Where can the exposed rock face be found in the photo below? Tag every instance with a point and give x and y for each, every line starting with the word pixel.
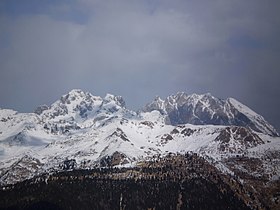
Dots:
pixel 119 134
pixel 116 158
pixel 237 139
pixel 40 109
pixel 208 110
pixel 69 164
pixel 24 168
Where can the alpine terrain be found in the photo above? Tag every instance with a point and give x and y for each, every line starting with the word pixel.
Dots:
pixel 182 152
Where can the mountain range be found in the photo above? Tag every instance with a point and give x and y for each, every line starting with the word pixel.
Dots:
pixel 84 131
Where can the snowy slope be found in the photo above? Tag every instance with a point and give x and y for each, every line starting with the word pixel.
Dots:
pixel 259 123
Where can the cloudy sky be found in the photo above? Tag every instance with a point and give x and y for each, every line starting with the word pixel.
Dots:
pixel 140 49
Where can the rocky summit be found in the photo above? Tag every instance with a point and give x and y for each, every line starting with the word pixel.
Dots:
pixel 206 109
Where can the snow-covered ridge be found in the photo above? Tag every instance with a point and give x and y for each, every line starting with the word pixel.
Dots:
pixel 205 109
pixel 259 122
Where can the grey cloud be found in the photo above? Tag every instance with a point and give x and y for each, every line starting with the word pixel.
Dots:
pixel 140 49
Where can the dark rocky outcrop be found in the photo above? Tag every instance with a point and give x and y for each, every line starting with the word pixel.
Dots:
pixel 243 139
pixel 116 158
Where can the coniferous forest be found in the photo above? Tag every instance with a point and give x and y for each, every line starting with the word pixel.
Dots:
pixel 172 182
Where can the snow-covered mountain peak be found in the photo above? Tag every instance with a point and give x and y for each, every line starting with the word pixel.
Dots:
pixel 241 107
pixel 205 99
pixel 76 92
pixel 118 100
pixel 158 101
pixel 158 98
pixel 78 110
pixel 260 124
pixel 78 96
pixel 74 104
pixel 178 100
pixel 203 109
pixel 4 113
pixel 156 104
